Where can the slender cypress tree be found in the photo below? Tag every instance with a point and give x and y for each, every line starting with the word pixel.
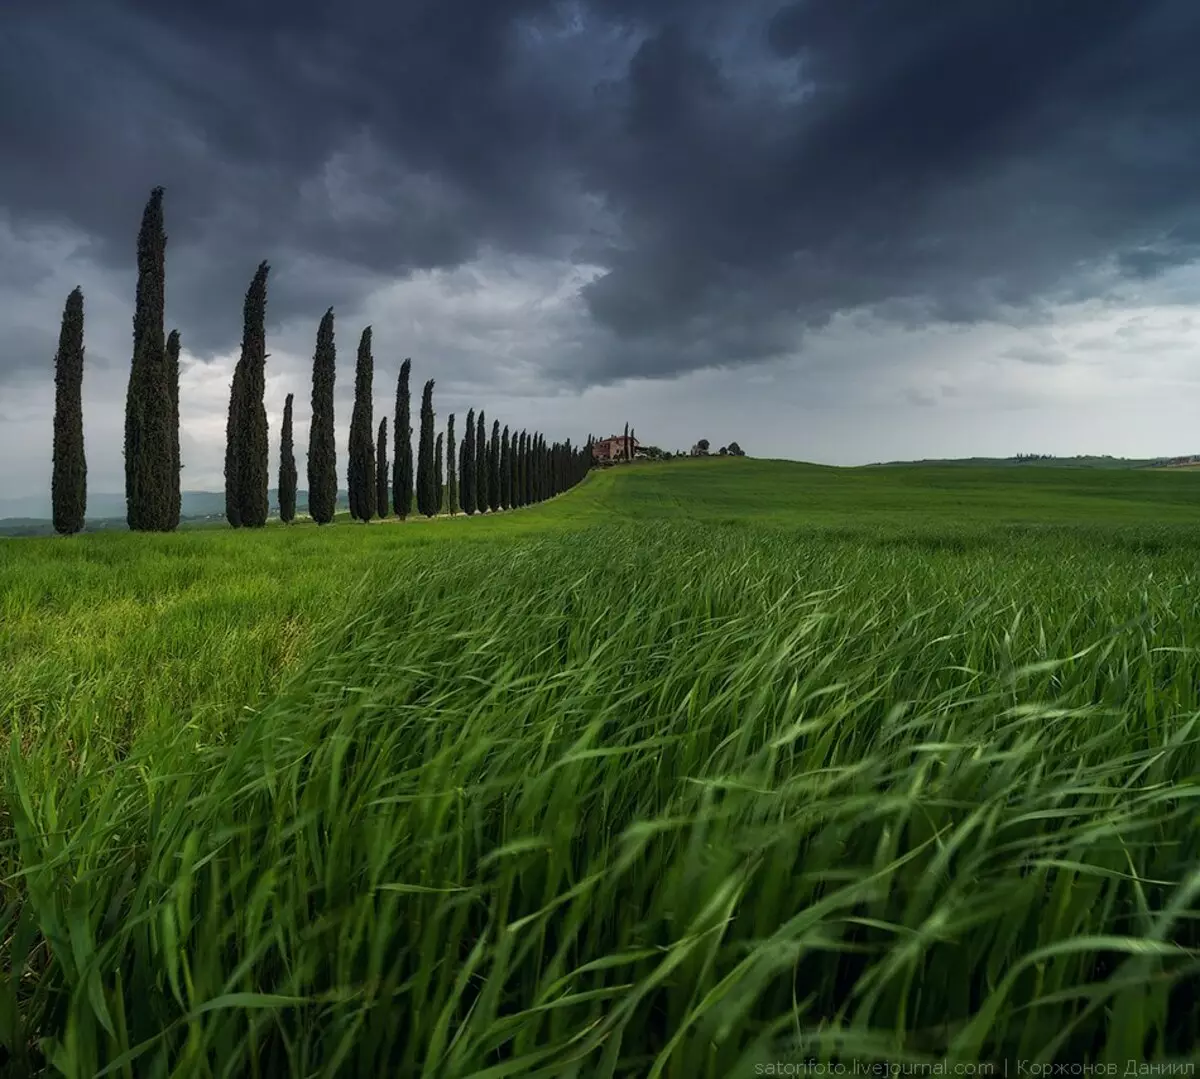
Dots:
pixel 426 484
pixel 438 485
pixel 481 464
pixel 402 457
pixel 632 443
pixel 360 477
pixel 466 468
pixel 322 449
pixel 494 468
pixel 172 373
pixel 253 449
pixel 526 477
pixel 530 486
pixel 505 474
pixel 233 442
pixel 382 490
pixel 147 402
pixel 515 468
pixel 462 474
pixel 68 483
pixel 625 443
pixel 287 466
pixel 521 455
pixel 451 471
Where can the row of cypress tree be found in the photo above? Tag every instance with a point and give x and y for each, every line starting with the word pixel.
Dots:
pixel 502 473
pixel 497 476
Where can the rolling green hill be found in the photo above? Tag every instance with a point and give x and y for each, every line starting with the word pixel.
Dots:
pixel 698 767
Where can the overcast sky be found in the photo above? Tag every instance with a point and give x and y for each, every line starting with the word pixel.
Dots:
pixel 833 230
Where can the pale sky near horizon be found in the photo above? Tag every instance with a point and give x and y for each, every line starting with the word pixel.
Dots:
pixel 833 230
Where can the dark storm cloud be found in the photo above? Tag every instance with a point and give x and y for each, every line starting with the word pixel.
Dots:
pixel 741 173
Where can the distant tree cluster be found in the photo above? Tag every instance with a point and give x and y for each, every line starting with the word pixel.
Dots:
pixel 479 475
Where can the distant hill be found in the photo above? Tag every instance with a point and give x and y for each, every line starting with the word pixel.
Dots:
pixel 1036 462
pixel 31 516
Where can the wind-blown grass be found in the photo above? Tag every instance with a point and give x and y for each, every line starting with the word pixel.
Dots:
pixel 643 798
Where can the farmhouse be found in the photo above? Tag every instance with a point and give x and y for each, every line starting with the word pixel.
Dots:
pixel 612 448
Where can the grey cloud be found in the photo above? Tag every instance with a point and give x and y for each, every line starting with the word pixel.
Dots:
pixel 1039 355
pixel 740 176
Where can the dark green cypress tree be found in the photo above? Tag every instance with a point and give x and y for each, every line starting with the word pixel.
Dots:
pixel 402 457
pixel 381 471
pixel 322 447
pixel 360 478
pixel 233 448
pixel 172 373
pixel 514 499
pixel 519 477
pixel 466 468
pixel 451 471
pixel 523 478
pixel 535 468
pixel 505 471
pixel 526 480
pixel 147 403
pixel 439 490
pixel 481 464
pixel 287 466
pixel 233 444
pixel 426 484
pixel 462 458
pixel 253 449
pixel 625 443
pixel 68 483
pixel 494 468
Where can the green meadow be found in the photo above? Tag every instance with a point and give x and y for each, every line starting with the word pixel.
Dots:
pixel 701 769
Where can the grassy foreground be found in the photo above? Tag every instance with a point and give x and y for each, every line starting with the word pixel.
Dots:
pixel 701 770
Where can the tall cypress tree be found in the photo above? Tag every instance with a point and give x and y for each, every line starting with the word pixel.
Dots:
pixel 625 443
pixel 466 468
pixel 462 473
pixel 287 466
pixel 360 478
pixel 381 471
pixel 439 490
pixel 233 444
pixel 505 473
pixel 451 471
pixel 147 402
pixel 494 468
pixel 529 487
pixel 322 448
pixel 481 464
pixel 426 485
pixel 175 479
pixel 68 483
pixel 402 457
pixel 253 449
pixel 519 477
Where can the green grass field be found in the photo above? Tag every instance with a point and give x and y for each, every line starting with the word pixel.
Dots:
pixel 702 769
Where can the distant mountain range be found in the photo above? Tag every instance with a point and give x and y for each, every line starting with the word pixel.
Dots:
pixel 32 515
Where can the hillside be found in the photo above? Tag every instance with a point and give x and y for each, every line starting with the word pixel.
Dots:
pixel 696 766
pixel 1081 461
